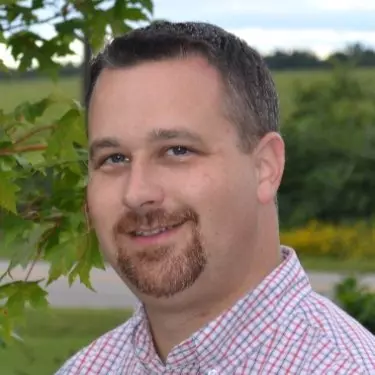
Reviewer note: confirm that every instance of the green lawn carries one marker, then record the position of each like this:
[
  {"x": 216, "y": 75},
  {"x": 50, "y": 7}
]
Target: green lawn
[
  {"x": 338, "y": 265},
  {"x": 52, "y": 337},
  {"x": 14, "y": 92}
]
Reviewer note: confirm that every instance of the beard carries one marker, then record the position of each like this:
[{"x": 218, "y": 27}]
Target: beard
[{"x": 160, "y": 271}]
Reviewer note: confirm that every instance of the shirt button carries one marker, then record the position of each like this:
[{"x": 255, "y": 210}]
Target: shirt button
[{"x": 213, "y": 372}]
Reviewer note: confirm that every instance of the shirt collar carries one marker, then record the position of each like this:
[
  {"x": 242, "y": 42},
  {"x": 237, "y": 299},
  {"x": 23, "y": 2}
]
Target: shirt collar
[{"x": 238, "y": 331}]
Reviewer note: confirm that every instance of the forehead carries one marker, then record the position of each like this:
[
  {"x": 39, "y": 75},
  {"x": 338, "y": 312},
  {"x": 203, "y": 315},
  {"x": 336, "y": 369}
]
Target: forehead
[
  {"x": 149, "y": 76},
  {"x": 130, "y": 104},
  {"x": 184, "y": 86}
]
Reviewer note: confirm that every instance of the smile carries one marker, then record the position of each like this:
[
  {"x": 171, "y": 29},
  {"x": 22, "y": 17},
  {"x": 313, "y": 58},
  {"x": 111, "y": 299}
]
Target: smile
[
  {"x": 153, "y": 235},
  {"x": 151, "y": 232}
]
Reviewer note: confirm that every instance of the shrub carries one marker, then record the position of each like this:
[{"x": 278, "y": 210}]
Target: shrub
[
  {"x": 333, "y": 241},
  {"x": 330, "y": 151},
  {"x": 357, "y": 301}
]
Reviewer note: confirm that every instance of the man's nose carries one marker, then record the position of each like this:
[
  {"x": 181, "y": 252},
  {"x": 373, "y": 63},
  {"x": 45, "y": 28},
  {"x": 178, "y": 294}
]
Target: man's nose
[{"x": 142, "y": 188}]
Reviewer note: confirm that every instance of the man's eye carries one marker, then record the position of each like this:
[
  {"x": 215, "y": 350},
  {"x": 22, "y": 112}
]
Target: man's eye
[
  {"x": 178, "y": 151},
  {"x": 115, "y": 159}
]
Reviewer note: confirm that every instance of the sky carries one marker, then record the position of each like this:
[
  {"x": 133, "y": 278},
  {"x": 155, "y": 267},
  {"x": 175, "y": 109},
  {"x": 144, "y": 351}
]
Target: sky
[{"x": 321, "y": 26}]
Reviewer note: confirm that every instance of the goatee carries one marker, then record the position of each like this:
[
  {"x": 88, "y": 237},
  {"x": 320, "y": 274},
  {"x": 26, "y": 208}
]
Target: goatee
[{"x": 160, "y": 271}]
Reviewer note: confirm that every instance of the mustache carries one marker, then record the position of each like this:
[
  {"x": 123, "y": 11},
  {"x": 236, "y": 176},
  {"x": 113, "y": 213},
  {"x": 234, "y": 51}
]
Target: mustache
[{"x": 133, "y": 221}]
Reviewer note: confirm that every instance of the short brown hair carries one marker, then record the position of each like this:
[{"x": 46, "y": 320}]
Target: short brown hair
[{"x": 251, "y": 100}]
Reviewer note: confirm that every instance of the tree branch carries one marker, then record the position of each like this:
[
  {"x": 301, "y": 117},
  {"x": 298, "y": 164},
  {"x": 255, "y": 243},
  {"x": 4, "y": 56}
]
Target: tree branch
[
  {"x": 80, "y": 38},
  {"x": 42, "y": 241},
  {"x": 32, "y": 266},
  {"x": 33, "y": 132},
  {"x": 34, "y": 216},
  {"x": 17, "y": 150}
]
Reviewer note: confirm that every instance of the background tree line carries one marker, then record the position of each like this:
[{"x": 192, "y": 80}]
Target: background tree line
[{"x": 356, "y": 54}]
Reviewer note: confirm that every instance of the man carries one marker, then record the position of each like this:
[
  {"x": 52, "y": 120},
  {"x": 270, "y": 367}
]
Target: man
[{"x": 185, "y": 164}]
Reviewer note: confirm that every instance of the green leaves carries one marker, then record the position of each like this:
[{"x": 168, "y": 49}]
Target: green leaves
[
  {"x": 73, "y": 20},
  {"x": 18, "y": 296},
  {"x": 24, "y": 48},
  {"x": 8, "y": 191},
  {"x": 32, "y": 111},
  {"x": 357, "y": 300},
  {"x": 69, "y": 128},
  {"x": 66, "y": 139},
  {"x": 37, "y": 4},
  {"x": 43, "y": 164},
  {"x": 75, "y": 258},
  {"x": 89, "y": 256},
  {"x": 69, "y": 26},
  {"x": 122, "y": 12}
]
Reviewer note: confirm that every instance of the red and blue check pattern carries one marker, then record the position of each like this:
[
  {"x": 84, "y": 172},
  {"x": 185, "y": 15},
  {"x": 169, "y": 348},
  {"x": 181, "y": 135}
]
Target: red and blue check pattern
[{"x": 282, "y": 327}]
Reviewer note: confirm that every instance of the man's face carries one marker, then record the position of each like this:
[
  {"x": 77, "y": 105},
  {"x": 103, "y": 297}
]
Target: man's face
[{"x": 171, "y": 196}]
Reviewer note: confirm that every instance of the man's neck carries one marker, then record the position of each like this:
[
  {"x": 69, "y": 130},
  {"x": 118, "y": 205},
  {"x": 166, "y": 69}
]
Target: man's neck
[
  {"x": 169, "y": 330},
  {"x": 171, "y": 326}
]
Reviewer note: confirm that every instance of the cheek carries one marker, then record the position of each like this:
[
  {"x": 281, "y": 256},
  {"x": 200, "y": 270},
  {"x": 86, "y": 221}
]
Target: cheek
[{"x": 226, "y": 207}]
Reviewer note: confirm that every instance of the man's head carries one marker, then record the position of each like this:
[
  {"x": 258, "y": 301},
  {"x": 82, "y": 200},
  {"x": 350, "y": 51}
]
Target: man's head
[{"x": 185, "y": 159}]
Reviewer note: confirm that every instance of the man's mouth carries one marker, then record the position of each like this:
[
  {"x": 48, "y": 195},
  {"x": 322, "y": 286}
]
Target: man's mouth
[{"x": 153, "y": 231}]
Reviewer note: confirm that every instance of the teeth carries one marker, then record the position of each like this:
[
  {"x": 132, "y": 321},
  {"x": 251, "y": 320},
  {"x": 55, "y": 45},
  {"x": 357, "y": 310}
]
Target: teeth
[{"x": 151, "y": 232}]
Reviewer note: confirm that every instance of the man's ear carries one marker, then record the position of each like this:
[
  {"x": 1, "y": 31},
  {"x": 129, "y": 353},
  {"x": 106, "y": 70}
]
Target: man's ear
[{"x": 270, "y": 161}]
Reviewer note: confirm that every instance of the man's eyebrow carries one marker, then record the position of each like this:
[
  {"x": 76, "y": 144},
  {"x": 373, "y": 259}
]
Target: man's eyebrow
[
  {"x": 167, "y": 134},
  {"x": 154, "y": 136},
  {"x": 102, "y": 143}
]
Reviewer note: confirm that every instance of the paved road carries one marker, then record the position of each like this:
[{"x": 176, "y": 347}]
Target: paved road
[{"x": 112, "y": 293}]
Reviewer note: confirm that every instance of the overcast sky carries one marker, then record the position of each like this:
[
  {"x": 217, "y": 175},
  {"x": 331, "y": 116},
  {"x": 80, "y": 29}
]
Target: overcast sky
[{"x": 317, "y": 25}]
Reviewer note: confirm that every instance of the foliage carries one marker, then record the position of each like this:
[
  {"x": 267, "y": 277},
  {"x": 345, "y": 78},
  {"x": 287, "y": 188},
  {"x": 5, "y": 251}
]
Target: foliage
[
  {"x": 358, "y": 301},
  {"x": 46, "y": 221},
  {"x": 70, "y": 20},
  {"x": 334, "y": 241},
  {"x": 330, "y": 145},
  {"x": 356, "y": 54}
]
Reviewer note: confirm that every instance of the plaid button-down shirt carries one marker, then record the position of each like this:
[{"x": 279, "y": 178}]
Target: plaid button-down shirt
[{"x": 281, "y": 327}]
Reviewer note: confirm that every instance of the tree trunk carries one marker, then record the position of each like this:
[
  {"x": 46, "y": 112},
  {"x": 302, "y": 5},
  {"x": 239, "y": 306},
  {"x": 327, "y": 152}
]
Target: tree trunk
[{"x": 86, "y": 69}]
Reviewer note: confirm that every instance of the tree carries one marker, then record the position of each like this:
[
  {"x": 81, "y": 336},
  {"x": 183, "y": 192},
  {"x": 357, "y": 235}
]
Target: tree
[
  {"x": 357, "y": 300},
  {"x": 46, "y": 220},
  {"x": 330, "y": 145},
  {"x": 281, "y": 60}
]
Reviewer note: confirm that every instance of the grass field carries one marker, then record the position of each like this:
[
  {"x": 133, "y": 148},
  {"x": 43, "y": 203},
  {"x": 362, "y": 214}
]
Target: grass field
[
  {"x": 52, "y": 337},
  {"x": 14, "y": 92},
  {"x": 361, "y": 266}
]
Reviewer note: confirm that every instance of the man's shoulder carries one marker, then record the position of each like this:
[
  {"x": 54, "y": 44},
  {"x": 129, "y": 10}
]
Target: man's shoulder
[
  {"x": 338, "y": 334},
  {"x": 332, "y": 320},
  {"x": 102, "y": 351}
]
